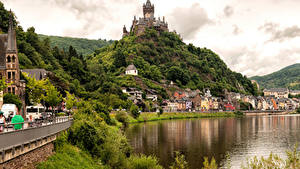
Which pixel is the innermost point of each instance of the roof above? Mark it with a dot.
(276, 90)
(38, 74)
(3, 43)
(11, 41)
(131, 67)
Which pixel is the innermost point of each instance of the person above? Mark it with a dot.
(2, 121)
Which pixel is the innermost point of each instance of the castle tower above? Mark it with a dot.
(148, 10)
(125, 32)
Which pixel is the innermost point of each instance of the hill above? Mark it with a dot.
(159, 57)
(288, 77)
(82, 45)
(164, 57)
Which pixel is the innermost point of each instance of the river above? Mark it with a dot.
(240, 138)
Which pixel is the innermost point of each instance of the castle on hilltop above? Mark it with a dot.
(148, 21)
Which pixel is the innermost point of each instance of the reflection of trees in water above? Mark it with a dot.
(198, 138)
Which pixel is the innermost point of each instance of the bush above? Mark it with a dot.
(134, 110)
(298, 110)
(100, 140)
(122, 117)
(239, 113)
(179, 162)
(143, 162)
(68, 156)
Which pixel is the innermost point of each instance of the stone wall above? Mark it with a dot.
(30, 159)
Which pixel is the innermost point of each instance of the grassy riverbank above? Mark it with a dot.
(145, 117)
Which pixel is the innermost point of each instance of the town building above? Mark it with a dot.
(135, 95)
(131, 70)
(147, 21)
(277, 92)
(9, 64)
(295, 92)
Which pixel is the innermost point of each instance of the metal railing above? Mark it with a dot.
(10, 127)
(32, 131)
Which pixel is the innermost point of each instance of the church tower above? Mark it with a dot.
(148, 10)
(12, 60)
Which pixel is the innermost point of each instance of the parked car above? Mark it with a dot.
(9, 111)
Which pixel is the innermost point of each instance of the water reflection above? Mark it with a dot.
(198, 138)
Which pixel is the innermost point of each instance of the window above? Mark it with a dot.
(13, 59)
(13, 75)
(13, 90)
(9, 75)
(9, 90)
(8, 59)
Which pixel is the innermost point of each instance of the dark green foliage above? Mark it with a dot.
(122, 117)
(165, 57)
(161, 110)
(239, 113)
(83, 46)
(288, 77)
(245, 106)
(100, 140)
(12, 99)
(134, 110)
(298, 110)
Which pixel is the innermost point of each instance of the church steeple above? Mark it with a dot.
(11, 42)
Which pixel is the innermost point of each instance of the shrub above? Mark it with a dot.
(143, 162)
(179, 162)
(100, 140)
(209, 165)
(69, 156)
(161, 110)
(298, 110)
(122, 117)
(239, 113)
(134, 110)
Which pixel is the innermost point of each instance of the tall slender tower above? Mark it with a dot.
(148, 10)
(12, 60)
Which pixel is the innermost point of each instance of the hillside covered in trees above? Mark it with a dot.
(161, 58)
(288, 77)
(82, 45)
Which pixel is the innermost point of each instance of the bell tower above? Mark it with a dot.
(148, 10)
(12, 60)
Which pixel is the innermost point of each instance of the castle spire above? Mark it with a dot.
(12, 43)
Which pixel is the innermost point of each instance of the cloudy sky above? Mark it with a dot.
(254, 37)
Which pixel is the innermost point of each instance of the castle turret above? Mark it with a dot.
(125, 32)
(148, 10)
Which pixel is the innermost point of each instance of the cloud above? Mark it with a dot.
(228, 11)
(280, 35)
(188, 21)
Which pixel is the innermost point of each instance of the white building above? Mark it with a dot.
(131, 70)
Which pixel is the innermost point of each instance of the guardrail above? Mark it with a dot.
(32, 135)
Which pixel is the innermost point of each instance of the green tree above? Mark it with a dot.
(134, 110)
(70, 101)
(12, 99)
(52, 97)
